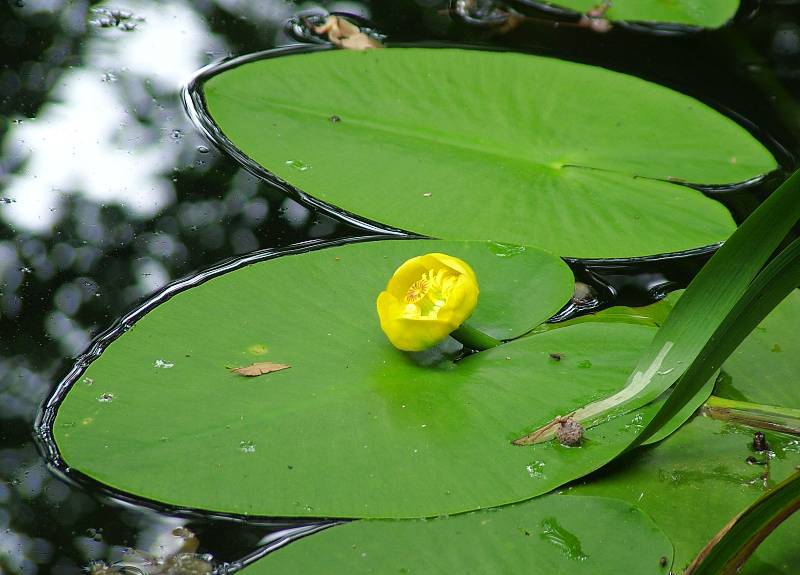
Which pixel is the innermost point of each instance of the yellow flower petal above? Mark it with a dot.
(427, 298)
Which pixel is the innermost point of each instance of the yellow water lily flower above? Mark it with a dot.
(427, 298)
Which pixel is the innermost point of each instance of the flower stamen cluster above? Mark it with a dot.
(427, 298)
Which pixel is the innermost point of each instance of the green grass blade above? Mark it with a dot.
(732, 546)
(699, 313)
(772, 417)
(770, 287)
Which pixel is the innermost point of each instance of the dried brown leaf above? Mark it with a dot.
(261, 368)
(346, 35)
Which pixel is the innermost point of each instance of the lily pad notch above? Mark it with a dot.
(564, 177)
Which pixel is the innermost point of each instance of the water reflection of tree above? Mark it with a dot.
(61, 285)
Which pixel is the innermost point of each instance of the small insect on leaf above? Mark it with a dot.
(261, 368)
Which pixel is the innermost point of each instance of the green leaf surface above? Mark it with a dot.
(572, 158)
(767, 289)
(692, 483)
(546, 536)
(732, 546)
(765, 366)
(354, 428)
(704, 13)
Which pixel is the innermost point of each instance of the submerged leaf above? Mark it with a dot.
(260, 368)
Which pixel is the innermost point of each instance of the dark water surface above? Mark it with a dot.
(108, 193)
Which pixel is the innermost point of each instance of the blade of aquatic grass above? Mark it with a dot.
(732, 546)
(770, 287)
(684, 413)
(772, 417)
(698, 314)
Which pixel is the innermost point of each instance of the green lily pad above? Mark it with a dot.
(701, 13)
(355, 428)
(692, 483)
(552, 534)
(764, 368)
(465, 144)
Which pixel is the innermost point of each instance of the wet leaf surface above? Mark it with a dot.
(534, 165)
(765, 366)
(692, 483)
(551, 534)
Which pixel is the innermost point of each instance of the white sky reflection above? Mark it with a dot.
(87, 140)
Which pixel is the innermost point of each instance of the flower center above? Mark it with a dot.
(426, 296)
(418, 290)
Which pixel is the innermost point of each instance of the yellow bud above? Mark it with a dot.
(426, 298)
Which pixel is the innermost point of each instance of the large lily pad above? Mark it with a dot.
(484, 145)
(764, 369)
(695, 481)
(701, 13)
(548, 535)
(354, 428)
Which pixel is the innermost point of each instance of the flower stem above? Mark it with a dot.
(474, 338)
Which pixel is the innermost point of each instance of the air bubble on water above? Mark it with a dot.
(176, 134)
(247, 447)
(26, 270)
(160, 363)
(102, 22)
(114, 17)
(297, 165)
(109, 77)
(106, 397)
(483, 13)
(202, 149)
(8, 201)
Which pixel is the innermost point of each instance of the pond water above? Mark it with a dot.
(108, 193)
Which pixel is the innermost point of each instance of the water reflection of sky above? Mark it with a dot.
(107, 193)
(95, 135)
